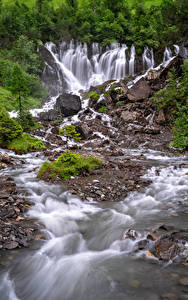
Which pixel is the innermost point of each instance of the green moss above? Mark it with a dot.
(94, 95)
(69, 164)
(25, 143)
(119, 102)
(70, 132)
(102, 109)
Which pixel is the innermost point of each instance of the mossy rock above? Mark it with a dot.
(69, 164)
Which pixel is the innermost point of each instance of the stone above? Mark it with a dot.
(166, 250)
(51, 115)
(184, 281)
(139, 91)
(11, 245)
(68, 104)
(160, 119)
(130, 116)
(151, 130)
(83, 130)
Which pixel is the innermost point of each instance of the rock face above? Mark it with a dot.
(141, 90)
(68, 104)
(52, 77)
(50, 115)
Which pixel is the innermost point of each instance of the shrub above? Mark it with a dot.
(70, 132)
(102, 109)
(25, 143)
(174, 100)
(25, 119)
(69, 164)
(9, 128)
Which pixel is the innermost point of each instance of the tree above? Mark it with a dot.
(18, 83)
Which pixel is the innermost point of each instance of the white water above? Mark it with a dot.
(84, 256)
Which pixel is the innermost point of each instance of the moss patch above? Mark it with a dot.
(25, 143)
(69, 164)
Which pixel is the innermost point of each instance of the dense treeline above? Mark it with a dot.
(95, 20)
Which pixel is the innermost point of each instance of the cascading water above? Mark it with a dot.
(148, 59)
(84, 256)
(81, 70)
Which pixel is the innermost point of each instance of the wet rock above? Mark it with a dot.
(151, 130)
(160, 119)
(166, 250)
(139, 91)
(11, 245)
(130, 234)
(130, 116)
(84, 130)
(68, 104)
(184, 281)
(50, 115)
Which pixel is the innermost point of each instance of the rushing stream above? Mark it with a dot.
(84, 256)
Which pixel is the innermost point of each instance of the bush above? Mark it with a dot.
(25, 119)
(174, 100)
(69, 164)
(9, 128)
(70, 132)
(25, 143)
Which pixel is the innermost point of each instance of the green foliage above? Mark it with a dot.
(94, 95)
(119, 102)
(25, 143)
(174, 100)
(25, 119)
(148, 22)
(24, 52)
(69, 164)
(9, 128)
(70, 132)
(180, 138)
(102, 109)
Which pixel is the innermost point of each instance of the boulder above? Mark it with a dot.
(160, 119)
(130, 116)
(51, 115)
(139, 91)
(84, 130)
(166, 250)
(68, 104)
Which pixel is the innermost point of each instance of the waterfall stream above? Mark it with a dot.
(84, 256)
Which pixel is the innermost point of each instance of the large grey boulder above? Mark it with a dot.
(68, 104)
(139, 91)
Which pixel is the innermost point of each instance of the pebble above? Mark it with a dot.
(184, 281)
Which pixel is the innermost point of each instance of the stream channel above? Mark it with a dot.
(84, 256)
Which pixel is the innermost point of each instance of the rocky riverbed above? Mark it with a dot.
(16, 230)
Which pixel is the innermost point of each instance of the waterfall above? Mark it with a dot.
(132, 61)
(80, 67)
(148, 59)
(167, 56)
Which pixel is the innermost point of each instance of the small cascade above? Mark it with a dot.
(167, 56)
(148, 59)
(132, 61)
(176, 49)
